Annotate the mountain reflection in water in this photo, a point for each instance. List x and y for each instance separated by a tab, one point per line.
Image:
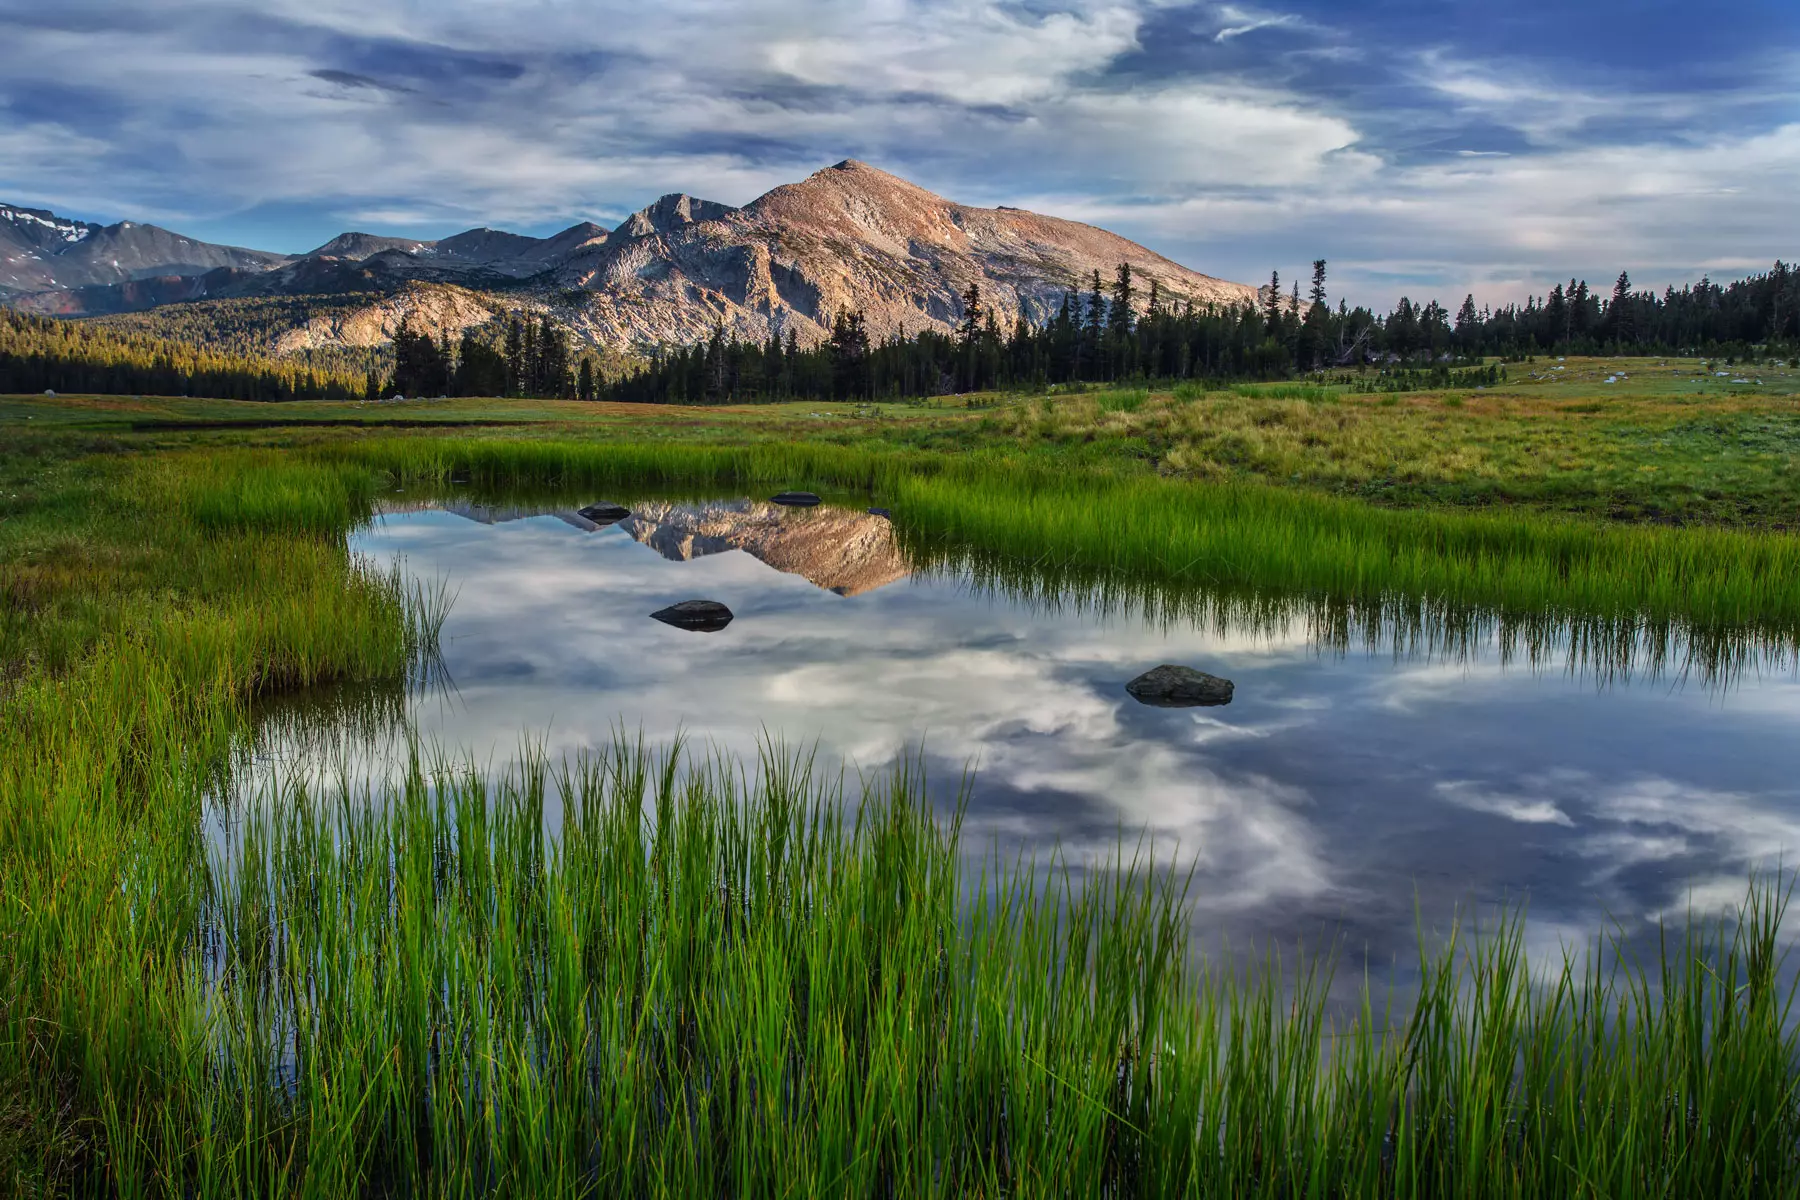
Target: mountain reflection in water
1373	766
837	549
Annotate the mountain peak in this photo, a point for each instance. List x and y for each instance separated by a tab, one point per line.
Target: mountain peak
358	246
671	212
41	227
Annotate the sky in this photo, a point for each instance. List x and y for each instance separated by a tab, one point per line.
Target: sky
1422	147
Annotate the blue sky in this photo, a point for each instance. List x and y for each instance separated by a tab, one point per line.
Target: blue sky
1427	147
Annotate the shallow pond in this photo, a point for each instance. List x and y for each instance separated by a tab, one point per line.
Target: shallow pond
1351	784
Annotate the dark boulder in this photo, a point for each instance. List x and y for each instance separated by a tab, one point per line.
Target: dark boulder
881	512
604	513
1179	687
796	499
698	616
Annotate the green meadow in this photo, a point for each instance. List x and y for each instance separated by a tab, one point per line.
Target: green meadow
727	978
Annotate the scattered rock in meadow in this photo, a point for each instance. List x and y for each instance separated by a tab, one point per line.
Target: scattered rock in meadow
696	616
604	513
796	499
1179	687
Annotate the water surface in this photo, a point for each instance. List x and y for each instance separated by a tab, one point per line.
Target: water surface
1352	784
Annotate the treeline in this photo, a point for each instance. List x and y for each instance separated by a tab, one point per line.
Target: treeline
532	358
40	354
1121	332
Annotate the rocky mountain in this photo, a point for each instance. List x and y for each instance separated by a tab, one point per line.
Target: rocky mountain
40	251
848	237
851	236
358	246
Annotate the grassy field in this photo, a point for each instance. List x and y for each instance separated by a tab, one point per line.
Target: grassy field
716	983
1670	442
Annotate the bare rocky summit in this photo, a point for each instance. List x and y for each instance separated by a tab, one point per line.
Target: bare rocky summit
850	237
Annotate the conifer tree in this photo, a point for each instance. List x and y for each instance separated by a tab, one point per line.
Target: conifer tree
1620	325
516	379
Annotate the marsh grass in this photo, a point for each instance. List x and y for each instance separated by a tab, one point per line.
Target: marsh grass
137	638
1126	400
724	981
1226	536
741	982
1309	393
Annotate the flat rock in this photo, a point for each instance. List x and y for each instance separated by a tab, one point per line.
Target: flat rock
881	512
796	499
1179	687
604	513
697	616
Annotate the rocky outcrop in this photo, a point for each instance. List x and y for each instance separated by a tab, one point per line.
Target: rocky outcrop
438	310
841	551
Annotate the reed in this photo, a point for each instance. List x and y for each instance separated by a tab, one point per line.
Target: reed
729	981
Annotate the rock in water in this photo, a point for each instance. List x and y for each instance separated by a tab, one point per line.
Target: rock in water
603	513
698	616
1179	687
796	499
881	512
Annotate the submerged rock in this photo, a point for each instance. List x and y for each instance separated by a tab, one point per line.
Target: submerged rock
796	499
603	513
1179	687
698	616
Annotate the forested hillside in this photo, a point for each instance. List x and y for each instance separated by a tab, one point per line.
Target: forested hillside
251	327
43	354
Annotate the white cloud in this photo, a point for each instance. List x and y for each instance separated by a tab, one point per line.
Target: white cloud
536	113
1242	21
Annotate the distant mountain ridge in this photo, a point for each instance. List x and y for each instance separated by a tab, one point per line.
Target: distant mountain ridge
40	251
847	237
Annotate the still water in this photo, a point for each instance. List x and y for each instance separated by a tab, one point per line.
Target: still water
1348	787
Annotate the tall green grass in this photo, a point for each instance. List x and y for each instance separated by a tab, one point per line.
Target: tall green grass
1311	393
753	991
724	982
143	644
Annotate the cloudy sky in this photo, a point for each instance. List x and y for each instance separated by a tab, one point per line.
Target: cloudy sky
1423	146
